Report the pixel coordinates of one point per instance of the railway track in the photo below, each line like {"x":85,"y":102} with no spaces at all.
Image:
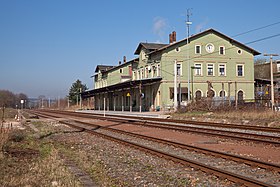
{"x":175,"y":121}
{"x":177,"y":158}
{"x":255,"y":134}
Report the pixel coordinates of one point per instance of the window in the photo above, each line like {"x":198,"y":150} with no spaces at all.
{"x":154,"y":71}
{"x":134,"y":75}
{"x":198,"y":69}
{"x":240,"y":70}
{"x":139,"y":74}
{"x":146,"y":72}
{"x":198,"y":49}
{"x":210,"y":69}
{"x":278,"y":67}
{"x":121,"y":70}
{"x":239,"y":51}
{"x":240,"y":96}
{"x":177,"y":49}
{"x":222,"y":50}
{"x":222,"y":70}
{"x":158,"y":70}
{"x":198,"y":95}
{"x":179,"y":69}
{"x":222,"y":93}
{"x":142,"y":73}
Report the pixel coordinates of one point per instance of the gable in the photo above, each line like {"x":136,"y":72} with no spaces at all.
{"x":196,"y":37}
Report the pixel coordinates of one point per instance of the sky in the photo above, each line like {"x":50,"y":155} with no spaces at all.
{"x":46,"y":45}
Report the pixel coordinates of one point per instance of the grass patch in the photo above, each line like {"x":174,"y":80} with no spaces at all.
{"x":28,"y":161}
{"x":253,"y":117}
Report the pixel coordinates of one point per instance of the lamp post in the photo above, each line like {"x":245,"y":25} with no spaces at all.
{"x":271,"y":79}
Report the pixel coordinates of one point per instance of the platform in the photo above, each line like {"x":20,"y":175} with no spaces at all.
{"x":127,"y":113}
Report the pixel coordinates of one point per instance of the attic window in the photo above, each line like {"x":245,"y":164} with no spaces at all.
{"x":177,"y":49}
{"x":239,"y":51}
{"x":121,"y":70}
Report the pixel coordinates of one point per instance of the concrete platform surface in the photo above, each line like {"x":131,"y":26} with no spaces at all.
{"x":127,"y":113}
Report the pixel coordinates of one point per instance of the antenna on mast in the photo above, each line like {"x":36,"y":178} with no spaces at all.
{"x":188,"y":22}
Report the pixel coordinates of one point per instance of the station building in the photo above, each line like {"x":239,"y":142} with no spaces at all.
{"x":207,"y":64}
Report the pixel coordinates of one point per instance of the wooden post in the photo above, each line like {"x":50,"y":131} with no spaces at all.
{"x":99,"y":105}
{"x":114,"y":98}
{"x":235,"y":90}
{"x":140,"y":99}
{"x":130,"y":101}
{"x":122,"y":102}
{"x":104,"y":103}
{"x":223,"y":91}
{"x":229,"y":93}
{"x":108,"y":100}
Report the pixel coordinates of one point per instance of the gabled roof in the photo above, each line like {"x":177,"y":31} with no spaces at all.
{"x":149,"y":46}
{"x":123,"y":64}
{"x":193,"y":37}
{"x":103,"y":68}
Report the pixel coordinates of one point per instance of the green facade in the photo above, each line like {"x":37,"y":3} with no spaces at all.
{"x":228,"y":66}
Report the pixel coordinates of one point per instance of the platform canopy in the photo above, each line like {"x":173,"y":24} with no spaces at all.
{"x":120,"y":86}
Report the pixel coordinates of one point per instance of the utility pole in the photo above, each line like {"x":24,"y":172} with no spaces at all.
{"x":80,"y":98}
{"x":175,"y":86}
{"x":58,"y":102}
{"x":188,"y":23}
{"x":271,"y":80}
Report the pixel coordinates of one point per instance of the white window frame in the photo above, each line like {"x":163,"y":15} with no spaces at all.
{"x":199,"y":49}
{"x":181,"y":68}
{"x":243,"y":69}
{"x":278,"y":67}
{"x":213,"y":69}
{"x":196,"y":91}
{"x":198,"y":72}
{"x":239,"y":53}
{"x":225,"y":67}
{"x":221,"y":91}
{"x":224,"y":50}
{"x":139,"y":74}
{"x":154,"y":71}
{"x":146,"y":72}
{"x":133,"y":75}
{"x":158,"y":70}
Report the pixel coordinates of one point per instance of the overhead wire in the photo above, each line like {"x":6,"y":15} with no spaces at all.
{"x":240,"y":34}
{"x":246,"y":32}
{"x":247,"y":43}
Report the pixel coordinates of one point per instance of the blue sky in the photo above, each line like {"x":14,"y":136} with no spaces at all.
{"x":46,"y":45}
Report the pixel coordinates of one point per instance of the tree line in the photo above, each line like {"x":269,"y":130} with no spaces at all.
{"x":10,"y":99}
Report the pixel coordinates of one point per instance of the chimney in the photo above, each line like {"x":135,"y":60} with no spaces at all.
{"x":120,"y":62}
{"x":124,"y":59}
{"x":170,"y":39}
{"x":173,"y":36}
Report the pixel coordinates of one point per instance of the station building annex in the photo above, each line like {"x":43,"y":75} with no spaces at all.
{"x":209,"y":59}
